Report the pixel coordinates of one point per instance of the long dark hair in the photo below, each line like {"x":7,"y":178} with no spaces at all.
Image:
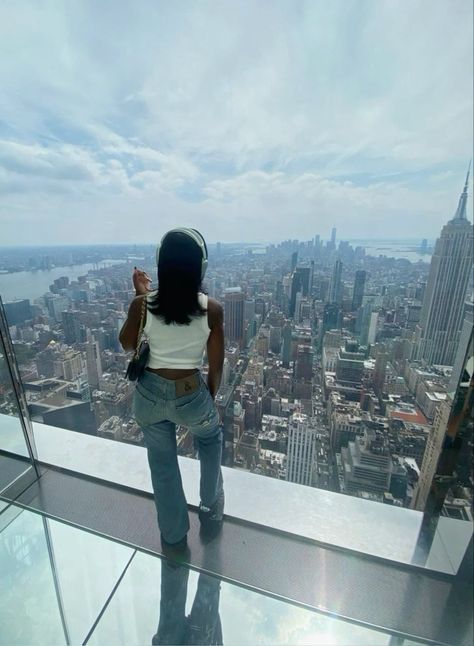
{"x":179,"y":280}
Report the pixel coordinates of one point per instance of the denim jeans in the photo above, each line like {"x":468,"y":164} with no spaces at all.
{"x":203,"y":625}
{"x":157,"y":411}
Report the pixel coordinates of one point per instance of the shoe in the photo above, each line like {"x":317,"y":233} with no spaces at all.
{"x":179,"y":549}
{"x":212,"y":515}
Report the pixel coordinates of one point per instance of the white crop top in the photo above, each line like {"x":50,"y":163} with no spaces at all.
{"x":173,"y":345}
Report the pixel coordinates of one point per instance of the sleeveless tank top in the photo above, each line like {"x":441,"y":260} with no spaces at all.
{"x":173,"y":345}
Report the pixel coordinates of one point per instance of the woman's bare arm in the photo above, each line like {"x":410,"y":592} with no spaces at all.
{"x":215,"y":345}
{"x":129,"y":333}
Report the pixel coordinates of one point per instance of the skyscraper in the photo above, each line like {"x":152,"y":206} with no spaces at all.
{"x":452,"y":426}
{"x":56,"y":305}
{"x":359,"y":286}
{"x":332,"y":318}
{"x":93,"y":362}
{"x":443,"y":305}
{"x":71,"y":326}
{"x":380,"y":371}
{"x":304,"y":362}
{"x":296,"y":286}
{"x":18,"y":311}
{"x":297,"y":312}
{"x":367,"y":463}
{"x":335,"y":288}
{"x":294,"y":260}
{"x":234,"y":314}
{"x":286,"y":345}
{"x":301,"y":450}
{"x":305,"y":273}
{"x":350,"y":364}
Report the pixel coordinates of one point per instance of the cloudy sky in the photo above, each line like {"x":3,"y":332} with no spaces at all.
{"x":250,"y":120}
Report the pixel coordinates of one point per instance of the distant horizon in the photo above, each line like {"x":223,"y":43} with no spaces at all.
{"x":222,"y":242}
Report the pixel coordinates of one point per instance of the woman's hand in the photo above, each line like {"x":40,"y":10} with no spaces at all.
{"x":141,"y":282}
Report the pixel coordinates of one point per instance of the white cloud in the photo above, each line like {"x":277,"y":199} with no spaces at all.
{"x":233,"y":113}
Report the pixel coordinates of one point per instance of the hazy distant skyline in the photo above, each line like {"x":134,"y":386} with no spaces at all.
{"x":252,"y":121}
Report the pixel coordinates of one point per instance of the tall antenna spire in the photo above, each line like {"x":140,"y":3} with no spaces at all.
{"x":461,"y":210}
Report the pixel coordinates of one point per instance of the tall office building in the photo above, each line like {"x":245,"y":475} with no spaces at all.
{"x":56,"y":304}
{"x":366,"y":324}
{"x":304,"y":362}
{"x":350,"y":364}
{"x":69,"y":366}
{"x":287,"y":336}
{"x":450,"y":272}
{"x":297,"y":312}
{"x":335,"y":288}
{"x":372,"y":332}
{"x":93,"y":362}
{"x":300,"y":282}
{"x":359,"y":287}
{"x":234,"y":314}
{"x":275,"y":339}
{"x":296,"y":286}
{"x":18,"y":311}
{"x":331,"y":245}
{"x":452,"y":426}
{"x":294,"y":260}
{"x":249,"y":311}
{"x":332,"y":320}
{"x":380,"y":371}
{"x":317,"y":246}
{"x":367,"y":463}
{"x":304,"y":279}
{"x":301,"y":450}
{"x":433,"y":449}
{"x":71,"y":326}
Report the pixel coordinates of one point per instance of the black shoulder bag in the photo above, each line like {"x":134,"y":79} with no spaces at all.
{"x":137,"y":364}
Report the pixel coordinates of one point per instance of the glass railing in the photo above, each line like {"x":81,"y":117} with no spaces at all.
{"x":305,"y":398}
{"x":16,"y":450}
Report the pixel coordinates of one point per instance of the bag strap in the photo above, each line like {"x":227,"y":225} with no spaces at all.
{"x":140,"y":331}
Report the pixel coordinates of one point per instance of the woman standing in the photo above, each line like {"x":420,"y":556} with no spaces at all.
{"x":180,"y":322}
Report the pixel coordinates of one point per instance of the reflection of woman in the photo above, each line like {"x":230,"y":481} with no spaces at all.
{"x":180,"y":322}
{"x":203,"y":625}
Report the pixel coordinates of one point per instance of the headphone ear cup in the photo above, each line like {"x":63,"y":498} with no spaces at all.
{"x":203,"y":268}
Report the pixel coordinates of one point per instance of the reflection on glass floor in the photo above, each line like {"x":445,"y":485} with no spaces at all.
{"x":61,"y":585}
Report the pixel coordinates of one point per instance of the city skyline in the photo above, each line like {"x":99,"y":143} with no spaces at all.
{"x":321,"y":383}
{"x":294,"y":119}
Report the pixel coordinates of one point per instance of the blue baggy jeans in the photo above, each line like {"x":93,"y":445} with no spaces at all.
{"x":157,"y":411}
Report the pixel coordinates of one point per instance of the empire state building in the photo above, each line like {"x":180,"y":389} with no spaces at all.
{"x":449,"y":279}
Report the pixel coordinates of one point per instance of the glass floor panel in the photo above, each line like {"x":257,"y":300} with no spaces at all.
{"x":161,"y":602}
{"x":63,"y":585}
{"x":55,"y":579}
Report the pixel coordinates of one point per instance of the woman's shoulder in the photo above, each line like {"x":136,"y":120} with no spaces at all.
{"x":215,"y":312}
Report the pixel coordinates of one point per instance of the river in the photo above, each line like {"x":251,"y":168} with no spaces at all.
{"x":33,"y":284}
{"x":406,"y":249}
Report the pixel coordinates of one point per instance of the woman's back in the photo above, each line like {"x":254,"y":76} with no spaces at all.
{"x":177,"y":346}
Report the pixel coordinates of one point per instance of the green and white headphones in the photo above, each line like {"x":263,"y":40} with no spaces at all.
{"x":198,"y":239}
